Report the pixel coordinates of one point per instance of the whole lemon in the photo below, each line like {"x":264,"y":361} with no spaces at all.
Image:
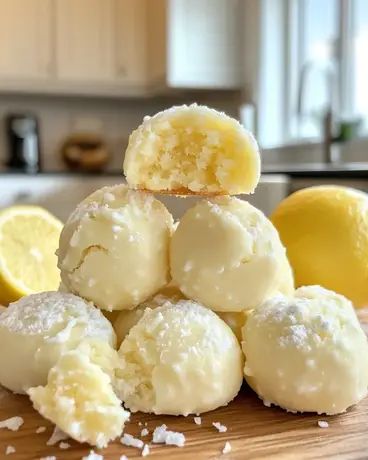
{"x":325,"y":231}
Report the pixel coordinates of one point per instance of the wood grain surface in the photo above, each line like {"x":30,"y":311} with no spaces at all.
{"x":254,"y":432}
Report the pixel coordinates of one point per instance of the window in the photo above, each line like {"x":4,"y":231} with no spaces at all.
{"x":360,"y":61}
{"x":322,"y":46}
{"x":313,"y":67}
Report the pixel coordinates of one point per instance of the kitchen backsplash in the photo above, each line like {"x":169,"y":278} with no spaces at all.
{"x":114,"y":119}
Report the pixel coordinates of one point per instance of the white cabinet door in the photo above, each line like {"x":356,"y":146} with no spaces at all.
{"x":131,"y":39}
{"x":85,"y":40}
{"x":25,"y":39}
{"x":140,"y":41}
{"x":205,"y":43}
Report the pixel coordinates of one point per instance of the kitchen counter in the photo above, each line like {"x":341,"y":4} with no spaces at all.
{"x":338,"y":170}
{"x":61,"y":173}
{"x":59,"y":192}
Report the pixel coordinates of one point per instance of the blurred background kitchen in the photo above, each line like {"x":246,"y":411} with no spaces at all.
{"x":77,"y":76}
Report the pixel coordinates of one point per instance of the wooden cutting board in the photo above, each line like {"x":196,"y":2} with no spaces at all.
{"x":254,"y":432}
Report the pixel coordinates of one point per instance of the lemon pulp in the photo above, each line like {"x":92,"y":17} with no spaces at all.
{"x":29,"y":237}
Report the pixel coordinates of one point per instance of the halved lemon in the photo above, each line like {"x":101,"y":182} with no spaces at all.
{"x":29,"y":238}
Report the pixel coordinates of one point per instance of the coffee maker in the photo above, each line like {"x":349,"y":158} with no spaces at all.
{"x":22,"y":131}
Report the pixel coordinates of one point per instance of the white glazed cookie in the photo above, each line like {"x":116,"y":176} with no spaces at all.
{"x":306,"y":353}
{"x":114,"y":248}
{"x":179,"y":359}
{"x":37,"y":329}
{"x":227,"y":255}
{"x":192,"y":150}
{"x":285,"y":285}
{"x":126,"y":319}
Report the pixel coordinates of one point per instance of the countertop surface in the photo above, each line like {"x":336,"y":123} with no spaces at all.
{"x":341,"y":170}
{"x":319,"y":169}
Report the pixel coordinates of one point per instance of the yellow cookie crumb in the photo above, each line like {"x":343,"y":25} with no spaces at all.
{"x":80,"y":400}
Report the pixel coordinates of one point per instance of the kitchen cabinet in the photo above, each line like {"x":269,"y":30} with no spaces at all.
{"x":25,"y":39}
{"x":119,"y":47}
{"x":131,"y":37}
{"x":105,"y":42}
{"x":85,"y":40}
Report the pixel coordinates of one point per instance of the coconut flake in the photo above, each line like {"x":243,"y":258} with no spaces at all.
{"x":40,"y":429}
{"x":57,"y":436}
{"x":50,"y":457}
{"x":12,"y":423}
{"x":162,"y":435}
{"x":10,"y":450}
{"x":64,"y":445}
{"x":145,"y":450}
{"x":198,"y":420}
{"x":129,"y":440}
{"x":219,"y":427}
{"x":323,"y":424}
{"x":93,"y":456}
{"x":144,"y":432}
{"x":227,"y":448}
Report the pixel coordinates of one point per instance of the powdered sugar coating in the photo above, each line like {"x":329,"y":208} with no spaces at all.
{"x":227,"y":255}
{"x":50,"y":312}
{"x":121,"y":244}
{"x":180,"y":358}
{"x":193,"y":148}
{"x":37,"y":329}
{"x":306,"y":352}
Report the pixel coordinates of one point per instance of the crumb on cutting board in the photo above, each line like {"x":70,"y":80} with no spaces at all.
{"x":219,"y":427}
{"x":12,"y":423}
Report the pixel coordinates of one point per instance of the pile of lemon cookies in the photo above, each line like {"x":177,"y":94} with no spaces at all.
{"x":196,"y":306}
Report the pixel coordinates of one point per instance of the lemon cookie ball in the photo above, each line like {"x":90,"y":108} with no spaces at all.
{"x":226,"y":255}
{"x":126,"y":319}
{"x":306,"y":353}
{"x":80,"y":400}
{"x":114,"y":248}
{"x":36,"y":330}
{"x":236,"y":320}
{"x":192,"y":149}
{"x":179,"y":359}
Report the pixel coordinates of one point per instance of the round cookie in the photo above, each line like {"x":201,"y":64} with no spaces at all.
{"x":126,"y":319}
{"x":179,"y":359}
{"x":227,"y":255}
{"x":37,"y":329}
{"x":236,"y":320}
{"x":192,"y":150}
{"x":114,"y":248}
{"x":306,"y":353}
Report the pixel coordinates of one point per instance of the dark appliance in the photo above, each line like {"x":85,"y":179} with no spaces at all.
{"x":23,"y":137}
